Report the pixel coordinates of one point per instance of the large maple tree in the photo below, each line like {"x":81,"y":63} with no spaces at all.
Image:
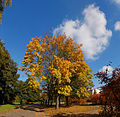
{"x":57,"y":63}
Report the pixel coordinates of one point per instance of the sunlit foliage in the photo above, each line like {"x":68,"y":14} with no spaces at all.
{"x":58,"y":62}
{"x":110,"y":92}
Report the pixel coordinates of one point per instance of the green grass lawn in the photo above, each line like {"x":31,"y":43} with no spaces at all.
{"x":6,"y":107}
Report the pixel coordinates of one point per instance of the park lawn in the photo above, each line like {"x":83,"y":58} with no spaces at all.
{"x":70,"y":110}
{"x":6,"y":107}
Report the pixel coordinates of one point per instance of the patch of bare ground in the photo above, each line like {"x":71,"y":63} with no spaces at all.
{"x":43,"y":111}
{"x":73,"y":111}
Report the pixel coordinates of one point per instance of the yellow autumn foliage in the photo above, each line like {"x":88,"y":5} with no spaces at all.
{"x":59,"y":61}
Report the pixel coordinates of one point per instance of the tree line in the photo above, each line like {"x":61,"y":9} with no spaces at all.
{"x":55,"y":67}
{"x":10,"y":86}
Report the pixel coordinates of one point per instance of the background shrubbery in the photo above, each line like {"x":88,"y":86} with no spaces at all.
{"x":76,"y":101}
{"x":110,"y":94}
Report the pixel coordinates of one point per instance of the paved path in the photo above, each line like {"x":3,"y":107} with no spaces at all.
{"x":37,"y":113}
{"x":19,"y":113}
{"x":22,"y":113}
{"x":35,"y":110}
{"x":30,"y":111}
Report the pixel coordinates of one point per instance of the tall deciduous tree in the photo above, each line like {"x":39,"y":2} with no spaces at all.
{"x":8,"y":76}
{"x":59,"y":62}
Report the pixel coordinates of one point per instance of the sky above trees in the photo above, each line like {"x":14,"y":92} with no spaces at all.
{"x":94,"y":23}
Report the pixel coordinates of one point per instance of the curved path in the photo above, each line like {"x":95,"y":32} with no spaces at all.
{"x":19,"y":113}
{"x":30,"y":111}
{"x":35,"y":110}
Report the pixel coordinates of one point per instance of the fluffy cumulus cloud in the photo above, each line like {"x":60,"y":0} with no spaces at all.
{"x":91,"y":31}
{"x":117,"y":1}
{"x":117,"y":25}
{"x":108,"y":68}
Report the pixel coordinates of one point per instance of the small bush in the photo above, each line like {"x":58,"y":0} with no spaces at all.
{"x":76,"y":101}
{"x":95,"y":99}
{"x":110,"y":93}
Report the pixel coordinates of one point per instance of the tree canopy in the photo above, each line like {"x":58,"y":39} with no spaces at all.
{"x":110,"y":92}
{"x":57,"y":63}
{"x":8,"y":76}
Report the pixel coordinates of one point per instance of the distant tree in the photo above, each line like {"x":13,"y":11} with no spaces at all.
{"x":27,"y":93}
{"x":3,"y":4}
{"x":32,"y":94}
{"x":8,"y":76}
{"x":21,"y":91}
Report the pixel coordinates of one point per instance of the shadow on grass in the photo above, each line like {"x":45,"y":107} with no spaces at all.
{"x":34,"y":107}
{"x":76,"y":115}
{"x":84,"y":104}
{"x":40,"y":108}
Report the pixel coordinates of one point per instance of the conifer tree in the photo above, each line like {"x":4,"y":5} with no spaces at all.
{"x":8,"y":76}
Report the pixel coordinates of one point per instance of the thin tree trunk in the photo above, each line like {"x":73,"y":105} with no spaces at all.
{"x":57,"y":101}
{"x":48,"y":101}
{"x":1,"y":98}
{"x":21,"y":101}
{"x":45,"y":102}
{"x":51,"y":102}
{"x":67,"y":101}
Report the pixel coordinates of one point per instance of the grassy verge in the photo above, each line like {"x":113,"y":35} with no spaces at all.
{"x":69,"y":110}
{"x":6,"y":107}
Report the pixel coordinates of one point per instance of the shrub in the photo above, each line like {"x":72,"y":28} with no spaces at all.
{"x":110,"y":93}
{"x":95,"y":99}
{"x":76,"y":101}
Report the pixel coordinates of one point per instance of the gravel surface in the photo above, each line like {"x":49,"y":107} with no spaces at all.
{"x":19,"y":113}
{"x":34,"y":111}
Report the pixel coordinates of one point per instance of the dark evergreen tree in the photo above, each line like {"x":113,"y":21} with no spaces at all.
{"x":8,"y":76}
{"x":27,"y":93}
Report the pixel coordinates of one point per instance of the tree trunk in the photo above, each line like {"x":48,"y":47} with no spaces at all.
{"x":48,"y":102}
{"x":67,"y":101}
{"x":51,"y":102}
{"x":1,"y":98}
{"x":21,"y":101}
{"x":57,"y":101}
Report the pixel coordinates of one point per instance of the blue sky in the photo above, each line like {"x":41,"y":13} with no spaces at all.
{"x":95,"y":23}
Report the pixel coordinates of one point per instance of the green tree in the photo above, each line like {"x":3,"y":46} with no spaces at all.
{"x":8,"y":76}
{"x":3,"y":4}
{"x":27,"y":93}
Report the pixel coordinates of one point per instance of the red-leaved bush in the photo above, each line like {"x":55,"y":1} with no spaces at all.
{"x":98,"y":99}
{"x":76,"y":101}
{"x":95,"y":99}
{"x":110,"y":93}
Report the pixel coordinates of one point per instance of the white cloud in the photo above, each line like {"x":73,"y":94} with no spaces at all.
{"x":91,"y":31}
{"x":117,"y":1}
{"x":108,"y":68}
{"x":117,"y":25}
